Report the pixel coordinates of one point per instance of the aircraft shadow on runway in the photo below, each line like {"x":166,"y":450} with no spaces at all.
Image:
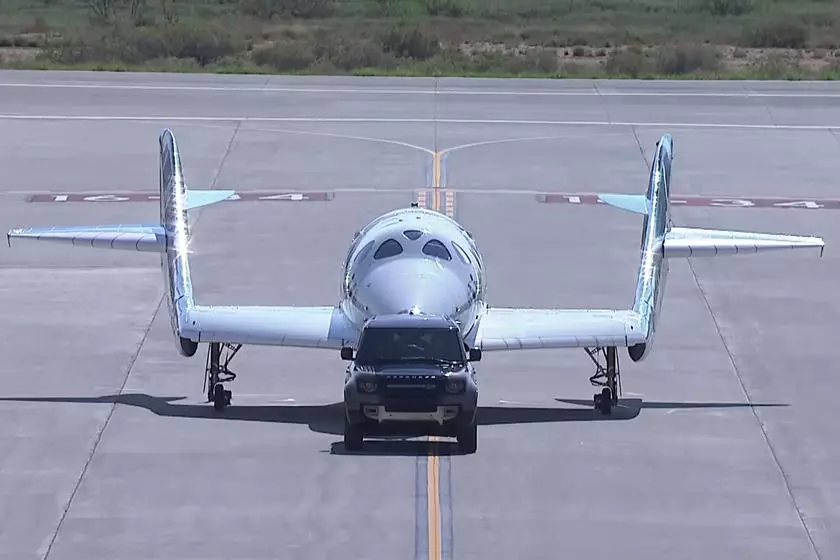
{"x":329,"y":419}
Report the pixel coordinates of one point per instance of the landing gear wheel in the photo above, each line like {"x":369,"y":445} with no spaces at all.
{"x":221,"y":397}
{"x":606,"y":376}
{"x":468,"y":438}
{"x":218,"y":373}
{"x":353,"y":436}
{"x":603,"y":400}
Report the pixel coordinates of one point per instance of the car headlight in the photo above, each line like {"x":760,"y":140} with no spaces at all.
{"x":455,"y":385}
{"x":366,"y":385}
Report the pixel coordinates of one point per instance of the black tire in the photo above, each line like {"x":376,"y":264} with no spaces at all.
{"x":468,"y":438}
{"x":604,"y":401}
{"x":353,"y":436}
{"x":220,"y":400}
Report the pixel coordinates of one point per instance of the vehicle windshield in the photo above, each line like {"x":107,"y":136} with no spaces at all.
{"x":392,"y":345}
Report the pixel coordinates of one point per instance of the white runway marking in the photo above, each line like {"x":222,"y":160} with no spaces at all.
{"x":406,"y":91}
{"x":400,"y":120}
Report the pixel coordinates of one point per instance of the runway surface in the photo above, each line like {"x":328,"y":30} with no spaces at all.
{"x":725,"y":445}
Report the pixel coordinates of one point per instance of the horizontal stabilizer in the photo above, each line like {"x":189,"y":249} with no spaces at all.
{"x":129,"y":237}
{"x":637,"y":203}
{"x":150,"y":238}
{"x":692,"y":242}
{"x":197,"y":199}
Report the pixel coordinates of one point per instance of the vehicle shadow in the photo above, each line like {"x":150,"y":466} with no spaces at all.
{"x":329,"y":418}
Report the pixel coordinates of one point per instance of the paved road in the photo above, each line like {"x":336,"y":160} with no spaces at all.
{"x":107,"y":449}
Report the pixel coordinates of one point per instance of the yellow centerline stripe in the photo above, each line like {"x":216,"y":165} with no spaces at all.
{"x":433,"y":466}
{"x":436,"y":173}
{"x":433,"y":500}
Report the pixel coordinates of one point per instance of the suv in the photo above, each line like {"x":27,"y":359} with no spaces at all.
{"x":411,"y":374}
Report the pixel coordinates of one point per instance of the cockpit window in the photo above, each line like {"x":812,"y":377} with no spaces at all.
{"x":363,"y":252}
{"x":461,"y":253}
{"x":435,"y":248}
{"x":389,"y":248}
{"x":413,"y":234}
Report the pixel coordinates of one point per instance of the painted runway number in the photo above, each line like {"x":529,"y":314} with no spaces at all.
{"x":706,"y":201}
{"x":141,"y":197}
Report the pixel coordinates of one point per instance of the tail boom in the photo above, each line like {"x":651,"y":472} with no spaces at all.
{"x":174,"y":260}
{"x":653,"y":267}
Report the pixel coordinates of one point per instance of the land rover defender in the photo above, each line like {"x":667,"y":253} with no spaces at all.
{"x":411,"y":375}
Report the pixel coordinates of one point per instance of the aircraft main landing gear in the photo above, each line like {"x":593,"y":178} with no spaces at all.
{"x":607,"y":376}
{"x":219,"y":357}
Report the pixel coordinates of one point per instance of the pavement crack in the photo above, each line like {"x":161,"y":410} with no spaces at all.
{"x":101,"y":431}
{"x":605,"y":106}
{"x":641,"y":149}
{"x":131,"y":364}
{"x":754,"y":410}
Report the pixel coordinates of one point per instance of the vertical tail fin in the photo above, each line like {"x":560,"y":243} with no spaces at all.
{"x":175,"y":261}
{"x":653,"y":267}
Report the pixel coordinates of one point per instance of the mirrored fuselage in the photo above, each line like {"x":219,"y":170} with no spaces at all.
{"x":413,"y":260}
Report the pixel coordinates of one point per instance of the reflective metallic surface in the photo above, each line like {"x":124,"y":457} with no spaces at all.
{"x":653,"y":266}
{"x":419,"y":262}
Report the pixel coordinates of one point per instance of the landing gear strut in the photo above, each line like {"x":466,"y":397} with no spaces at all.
{"x":219,"y":357}
{"x":607,"y":376}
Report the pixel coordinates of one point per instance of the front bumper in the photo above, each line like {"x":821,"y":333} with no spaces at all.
{"x":426,"y":407}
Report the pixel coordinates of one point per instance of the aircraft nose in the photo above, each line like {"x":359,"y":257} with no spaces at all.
{"x":423,"y":285}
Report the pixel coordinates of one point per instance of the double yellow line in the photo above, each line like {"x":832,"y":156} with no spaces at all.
{"x":442,"y":201}
{"x":433,"y":463}
{"x":436,"y":174}
{"x":433,"y":501}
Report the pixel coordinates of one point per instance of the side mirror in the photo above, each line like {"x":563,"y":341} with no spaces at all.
{"x":346,"y":353}
{"x":475,"y":355}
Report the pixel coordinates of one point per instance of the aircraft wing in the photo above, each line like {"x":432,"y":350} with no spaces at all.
{"x":130,"y":237}
{"x":523,"y":329}
{"x":302,"y":327}
{"x":697,"y":242}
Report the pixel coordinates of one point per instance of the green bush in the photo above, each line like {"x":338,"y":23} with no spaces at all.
{"x":780,"y":34}
{"x":285,"y":56}
{"x":627,"y":62}
{"x":411,"y":43}
{"x":303,"y":9}
{"x":723,"y":8}
{"x":131,"y":45}
{"x":686,"y":59}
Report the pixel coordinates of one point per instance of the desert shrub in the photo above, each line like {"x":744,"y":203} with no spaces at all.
{"x":626,"y":62}
{"x":303,"y":9}
{"x":542,"y":61}
{"x":410,"y":43}
{"x":686,"y":59}
{"x":204,"y":44}
{"x":723,"y":8}
{"x":781,"y":34}
{"x":284,"y":56}
{"x":448,"y":8}
{"x":352,"y":53}
{"x":777,"y":66}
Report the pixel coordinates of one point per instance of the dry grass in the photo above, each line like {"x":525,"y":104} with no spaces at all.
{"x":700,"y":38}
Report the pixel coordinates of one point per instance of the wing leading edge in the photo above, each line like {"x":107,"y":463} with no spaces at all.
{"x":524,"y":329}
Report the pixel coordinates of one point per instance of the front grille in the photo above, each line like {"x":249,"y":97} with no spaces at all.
{"x":411,"y":406}
{"x":408,"y":386}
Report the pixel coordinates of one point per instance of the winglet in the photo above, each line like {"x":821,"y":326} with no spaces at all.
{"x":637,"y":203}
{"x":197,"y":199}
